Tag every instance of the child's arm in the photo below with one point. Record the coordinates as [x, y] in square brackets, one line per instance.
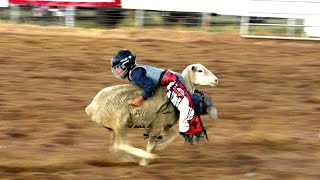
[140, 78]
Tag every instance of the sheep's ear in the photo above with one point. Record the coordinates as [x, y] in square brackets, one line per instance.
[193, 68]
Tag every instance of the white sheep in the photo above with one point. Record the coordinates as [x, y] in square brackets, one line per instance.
[112, 109]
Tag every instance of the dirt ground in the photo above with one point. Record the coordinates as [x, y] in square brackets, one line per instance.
[268, 100]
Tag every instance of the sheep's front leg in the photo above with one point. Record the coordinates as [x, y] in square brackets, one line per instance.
[150, 147]
[172, 135]
[136, 151]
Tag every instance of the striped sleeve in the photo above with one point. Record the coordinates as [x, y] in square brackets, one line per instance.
[139, 77]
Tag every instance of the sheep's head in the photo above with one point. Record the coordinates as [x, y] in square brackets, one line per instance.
[200, 75]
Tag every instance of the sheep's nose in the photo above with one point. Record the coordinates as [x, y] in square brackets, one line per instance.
[216, 81]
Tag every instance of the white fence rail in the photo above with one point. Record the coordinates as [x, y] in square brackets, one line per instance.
[302, 19]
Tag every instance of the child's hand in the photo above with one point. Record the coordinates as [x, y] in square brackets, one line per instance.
[138, 101]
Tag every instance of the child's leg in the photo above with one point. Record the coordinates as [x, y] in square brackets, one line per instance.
[179, 98]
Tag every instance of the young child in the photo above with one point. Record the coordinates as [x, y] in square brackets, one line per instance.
[123, 65]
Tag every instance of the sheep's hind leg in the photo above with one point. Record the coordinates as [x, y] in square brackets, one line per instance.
[121, 156]
[123, 145]
[150, 147]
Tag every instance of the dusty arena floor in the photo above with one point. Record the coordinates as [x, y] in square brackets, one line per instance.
[268, 99]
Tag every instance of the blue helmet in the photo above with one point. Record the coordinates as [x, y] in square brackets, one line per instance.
[122, 62]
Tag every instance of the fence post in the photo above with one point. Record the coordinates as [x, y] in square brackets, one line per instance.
[14, 13]
[69, 16]
[206, 20]
[291, 26]
[139, 18]
[244, 27]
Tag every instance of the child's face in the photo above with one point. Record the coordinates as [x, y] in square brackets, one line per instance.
[121, 72]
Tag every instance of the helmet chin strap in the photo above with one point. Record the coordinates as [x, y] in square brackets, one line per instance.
[129, 75]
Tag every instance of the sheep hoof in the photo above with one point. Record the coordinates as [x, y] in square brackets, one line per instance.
[143, 162]
[153, 156]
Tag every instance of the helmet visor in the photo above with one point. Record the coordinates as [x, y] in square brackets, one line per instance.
[119, 72]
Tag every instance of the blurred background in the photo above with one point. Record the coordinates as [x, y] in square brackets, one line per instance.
[253, 18]
[55, 57]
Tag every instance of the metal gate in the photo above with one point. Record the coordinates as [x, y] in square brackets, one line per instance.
[295, 19]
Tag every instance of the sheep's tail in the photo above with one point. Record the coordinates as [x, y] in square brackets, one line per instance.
[88, 110]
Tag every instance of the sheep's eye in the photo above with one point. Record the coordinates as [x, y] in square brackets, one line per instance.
[200, 71]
